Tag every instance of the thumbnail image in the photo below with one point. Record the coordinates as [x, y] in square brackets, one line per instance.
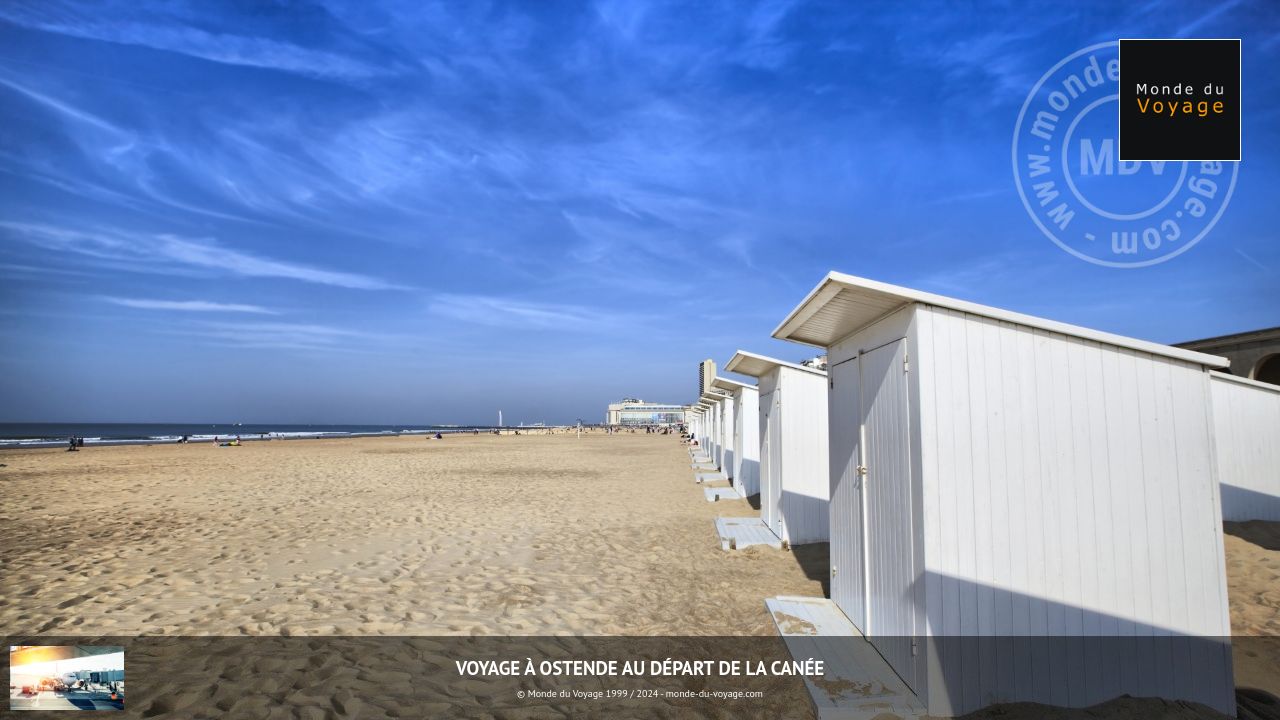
[66, 677]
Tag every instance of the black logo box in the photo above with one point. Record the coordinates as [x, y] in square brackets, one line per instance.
[1185, 67]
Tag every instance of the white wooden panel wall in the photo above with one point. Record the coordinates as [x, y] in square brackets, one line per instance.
[1069, 490]
[725, 436]
[728, 421]
[719, 434]
[805, 469]
[1246, 420]
[746, 470]
[770, 452]
[713, 434]
[770, 456]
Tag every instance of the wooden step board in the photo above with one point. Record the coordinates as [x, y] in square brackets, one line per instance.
[857, 683]
[716, 494]
[737, 533]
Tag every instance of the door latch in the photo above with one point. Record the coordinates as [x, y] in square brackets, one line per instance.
[862, 469]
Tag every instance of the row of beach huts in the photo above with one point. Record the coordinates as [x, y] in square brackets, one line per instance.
[1017, 509]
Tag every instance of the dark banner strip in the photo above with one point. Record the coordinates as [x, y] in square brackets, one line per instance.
[484, 677]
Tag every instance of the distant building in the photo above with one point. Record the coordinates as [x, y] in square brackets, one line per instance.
[1254, 354]
[634, 411]
[706, 373]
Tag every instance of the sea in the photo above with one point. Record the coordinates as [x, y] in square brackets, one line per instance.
[36, 435]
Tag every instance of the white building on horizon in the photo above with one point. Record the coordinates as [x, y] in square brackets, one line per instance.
[634, 411]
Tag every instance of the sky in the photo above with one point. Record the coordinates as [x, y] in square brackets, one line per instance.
[407, 212]
[91, 663]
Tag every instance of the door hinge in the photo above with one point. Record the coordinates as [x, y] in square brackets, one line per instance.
[906, 362]
[915, 647]
[832, 383]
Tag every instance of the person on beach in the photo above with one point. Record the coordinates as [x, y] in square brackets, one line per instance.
[71, 444]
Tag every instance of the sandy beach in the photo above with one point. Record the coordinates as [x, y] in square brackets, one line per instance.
[471, 535]
[529, 535]
[1253, 586]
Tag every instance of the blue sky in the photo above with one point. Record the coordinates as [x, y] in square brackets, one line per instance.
[410, 212]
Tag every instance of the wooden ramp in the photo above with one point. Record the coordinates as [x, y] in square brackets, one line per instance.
[743, 532]
[857, 682]
[721, 493]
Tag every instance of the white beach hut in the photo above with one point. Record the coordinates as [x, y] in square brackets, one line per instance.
[792, 418]
[715, 401]
[1246, 420]
[724, 430]
[693, 424]
[743, 433]
[713, 429]
[701, 420]
[1021, 509]
[706, 429]
[711, 466]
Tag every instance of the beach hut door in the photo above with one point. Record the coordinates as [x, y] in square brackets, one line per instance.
[773, 462]
[848, 536]
[738, 417]
[887, 515]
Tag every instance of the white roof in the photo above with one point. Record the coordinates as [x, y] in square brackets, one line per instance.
[712, 393]
[1245, 381]
[725, 383]
[843, 304]
[754, 365]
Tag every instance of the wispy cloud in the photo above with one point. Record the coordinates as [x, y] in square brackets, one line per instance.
[24, 269]
[569, 174]
[1206, 18]
[738, 247]
[205, 306]
[507, 312]
[63, 108]
[155, 252]
[1249, 258]
[277, 335]
[188, 39]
